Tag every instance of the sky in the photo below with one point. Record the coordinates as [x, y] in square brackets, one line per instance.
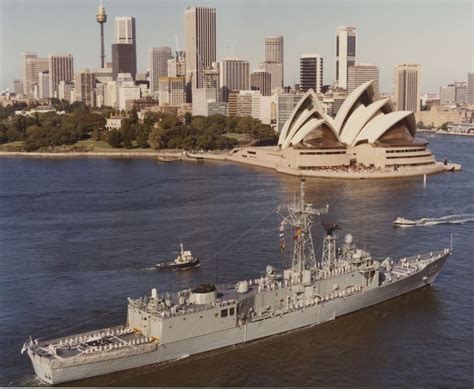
[439, 35]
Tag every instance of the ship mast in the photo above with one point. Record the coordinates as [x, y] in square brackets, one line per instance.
[300, 217]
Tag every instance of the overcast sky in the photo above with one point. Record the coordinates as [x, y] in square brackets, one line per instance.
[436, 34]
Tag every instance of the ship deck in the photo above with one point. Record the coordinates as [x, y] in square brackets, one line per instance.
[95, 344]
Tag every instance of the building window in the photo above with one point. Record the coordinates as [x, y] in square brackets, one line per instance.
[231, 311]
[224, 313]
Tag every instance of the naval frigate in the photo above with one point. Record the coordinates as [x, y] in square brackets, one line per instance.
[171, 326]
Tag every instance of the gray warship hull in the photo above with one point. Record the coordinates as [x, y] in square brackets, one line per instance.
[323, 310]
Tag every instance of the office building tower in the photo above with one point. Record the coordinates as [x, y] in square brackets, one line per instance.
[180, 59]
[32, 67]
[125, 34]
[461, 91]
[200, 41]
[61, 68]
[201, 99]
[232, 102]
[126, 94]
[123, 59]
[360, 73]
[103, 74]
[284, 106]
[64, 90]
[407, 87]
[311, 72]
[101, 18]
[110, 94]
[171, 91]
[211, 80]
[345, 53]
[274, 60]
[85, 83]
[158, 64]
[447, 95]
[18, 87]
[43, 85]
[261, 80]
[234, 76]
[470, 88]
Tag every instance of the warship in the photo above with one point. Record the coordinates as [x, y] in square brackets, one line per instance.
[170, 326]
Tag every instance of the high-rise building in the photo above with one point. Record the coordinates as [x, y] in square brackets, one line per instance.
[234, 76]
[447, 94]
[85, 84]
[171, 91]
[200, 41]
[470, 88]
[64, 90]
[32, 67]
[158, 57]
[123, 59]
[61, 68]
[18, 87]
[285, 104]
[274, 60]
[43, 85]
[345, 53]
[127, 93]
[101, 18]
[461, 91]
[211, 80]
[407, 87]
[261, 80]
[360, 73]
[244, 102]
[311, 72]
[201, 99]
[125, 34]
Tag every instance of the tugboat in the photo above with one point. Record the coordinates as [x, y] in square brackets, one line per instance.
[184, 260]
[402, 222]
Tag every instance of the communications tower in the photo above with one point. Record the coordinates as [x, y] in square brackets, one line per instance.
[101, 18]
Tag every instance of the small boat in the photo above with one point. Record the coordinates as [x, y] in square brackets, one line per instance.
[402, 222]
[184, 260]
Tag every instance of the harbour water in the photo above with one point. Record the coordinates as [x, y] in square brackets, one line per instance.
[77, 237]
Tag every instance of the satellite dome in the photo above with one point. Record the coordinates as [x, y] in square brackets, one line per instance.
[348, 239]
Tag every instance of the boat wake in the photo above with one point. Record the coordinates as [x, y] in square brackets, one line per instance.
[449, 219]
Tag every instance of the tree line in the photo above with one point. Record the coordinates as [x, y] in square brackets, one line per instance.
[156, 130]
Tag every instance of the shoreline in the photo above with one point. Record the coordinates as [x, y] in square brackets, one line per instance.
[180, 155]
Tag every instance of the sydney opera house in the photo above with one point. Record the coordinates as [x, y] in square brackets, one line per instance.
[366, 135]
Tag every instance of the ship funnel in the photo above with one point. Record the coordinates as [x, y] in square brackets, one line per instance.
[154, 293]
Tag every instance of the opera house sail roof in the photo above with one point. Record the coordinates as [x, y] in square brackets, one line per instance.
[360, 119]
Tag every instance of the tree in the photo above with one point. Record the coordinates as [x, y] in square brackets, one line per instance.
[115, 139]
[420, 124]
[444, 126]
[155, 139]
[187, 118]
[142, 133]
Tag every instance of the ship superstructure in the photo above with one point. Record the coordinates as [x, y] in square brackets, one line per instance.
[164, 327]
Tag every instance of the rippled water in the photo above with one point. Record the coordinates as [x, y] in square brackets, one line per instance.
[77, 237]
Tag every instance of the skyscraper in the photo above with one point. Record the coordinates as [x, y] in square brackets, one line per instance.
[261, 80]
[43, 85]
[85, 85]
[125, 34]
[345, 53]
[158, 57]
[18, 87]
[447, 94]
[234, 76]
[32, 67]
[200, 41]
[171, 91]
[470, 88]
[361, 73]
[274, 60]
[311, 72]
[407, 87]
[61, 68]
[101, 18]
[124, 59]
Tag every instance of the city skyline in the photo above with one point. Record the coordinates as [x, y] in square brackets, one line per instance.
[407, 44]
